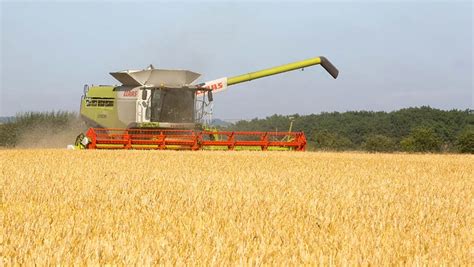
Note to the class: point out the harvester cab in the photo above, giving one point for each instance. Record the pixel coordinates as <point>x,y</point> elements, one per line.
<point>162,109</point>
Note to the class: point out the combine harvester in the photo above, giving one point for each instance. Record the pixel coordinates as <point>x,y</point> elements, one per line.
<point>163,109</point>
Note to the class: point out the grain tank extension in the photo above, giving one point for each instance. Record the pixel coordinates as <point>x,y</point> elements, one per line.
<point>167,109</point>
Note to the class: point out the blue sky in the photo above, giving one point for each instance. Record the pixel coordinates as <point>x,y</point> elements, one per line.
<point>390,55</point>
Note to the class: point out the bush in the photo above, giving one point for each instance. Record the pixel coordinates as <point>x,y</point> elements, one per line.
<point>8,134</point>
<point>421,139</point>
<point>465,141</point>
<point>332,141</point>
<point>379,143</point>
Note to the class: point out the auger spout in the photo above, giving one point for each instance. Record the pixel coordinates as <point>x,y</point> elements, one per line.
<point>222,83</point>
<point>325,63</point>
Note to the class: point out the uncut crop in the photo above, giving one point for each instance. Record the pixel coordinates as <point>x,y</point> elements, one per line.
<point>151,207</point>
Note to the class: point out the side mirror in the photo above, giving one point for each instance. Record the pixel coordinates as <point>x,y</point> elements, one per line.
<point>209,96</point>
<point>144,94</point>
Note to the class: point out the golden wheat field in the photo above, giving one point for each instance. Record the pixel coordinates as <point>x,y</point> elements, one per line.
<point>246,208</point>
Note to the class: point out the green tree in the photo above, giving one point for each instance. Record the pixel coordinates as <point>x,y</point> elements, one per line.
<point>379,143</point>
<point>465,141</point>
<point>332,141</point>
<point>421,139</point>
<point>8,134</point>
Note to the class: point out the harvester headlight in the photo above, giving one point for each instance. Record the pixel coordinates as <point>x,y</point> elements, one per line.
<point>85,141</point>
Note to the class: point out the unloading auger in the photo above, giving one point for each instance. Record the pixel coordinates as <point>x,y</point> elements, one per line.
<point>165,109</point>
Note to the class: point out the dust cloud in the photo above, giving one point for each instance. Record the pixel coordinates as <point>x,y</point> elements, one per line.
<point>48,136</point>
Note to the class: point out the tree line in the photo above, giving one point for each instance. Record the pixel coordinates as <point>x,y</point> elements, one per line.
<point>418,129</point>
